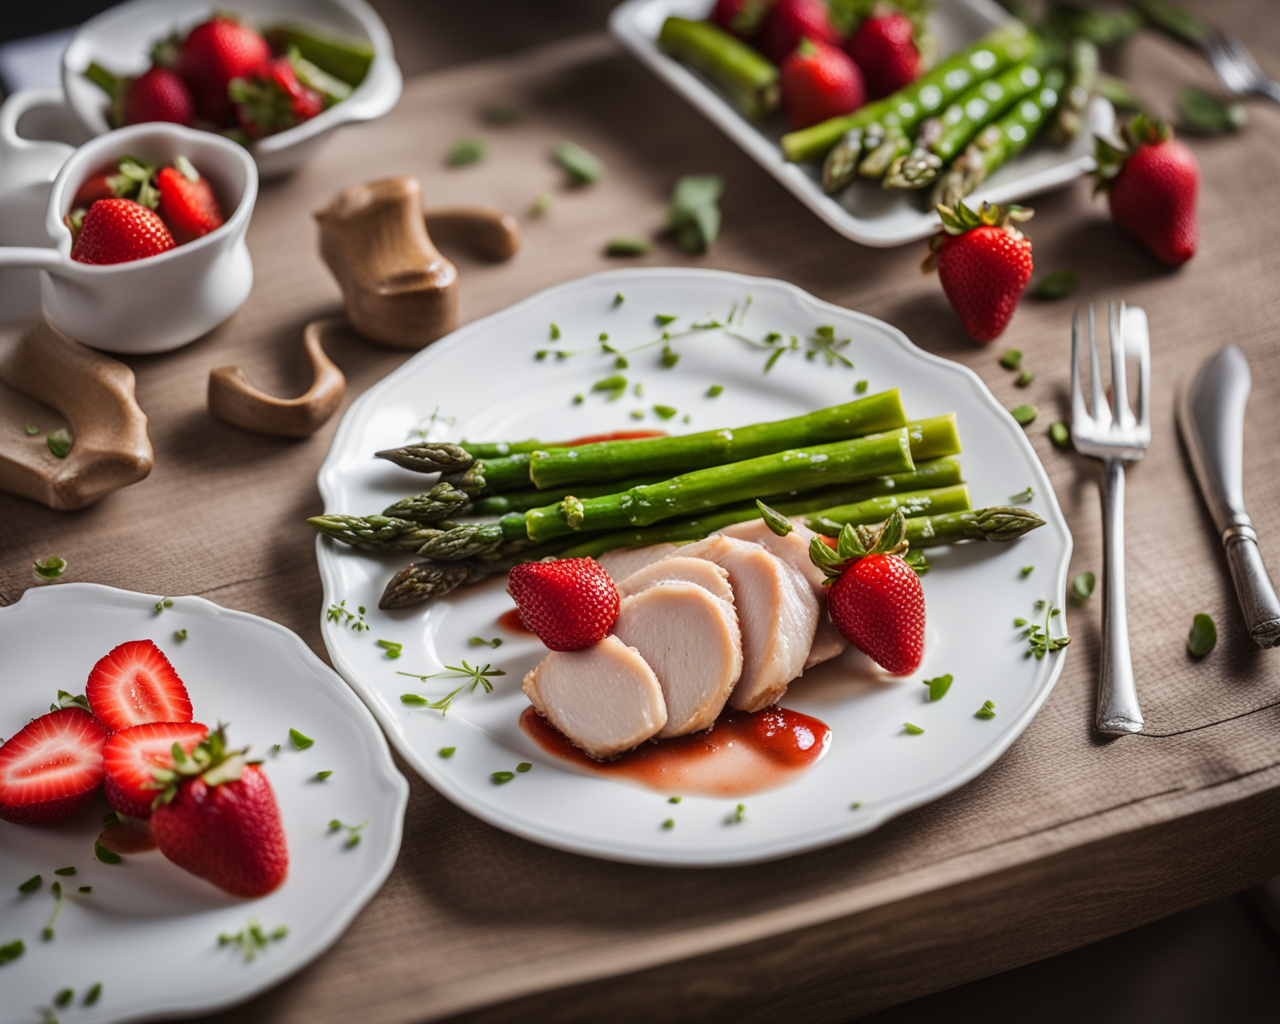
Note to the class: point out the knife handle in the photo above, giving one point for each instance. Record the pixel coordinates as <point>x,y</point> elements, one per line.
<point>1254,589</point>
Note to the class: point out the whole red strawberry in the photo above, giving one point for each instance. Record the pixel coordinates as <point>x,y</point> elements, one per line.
<point>744,18</point>
<point>984,263</point>
<point>158,95</point>
<point>884,48</point>
<point>1154,184</point>
<point>187,203</point>
<point>569,604</point>
<point>212,54</point>
<point>789,21</point>
<point>50,770</point>
<point>819,81</point>
<point>120,230</point>
<point>274,100</point>
<point>218,819</point>
<point>874,597</point>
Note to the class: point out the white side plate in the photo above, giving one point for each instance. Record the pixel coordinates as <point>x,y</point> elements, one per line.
<point>486,380</point>
<point>865,212</point>
<point>149,931</point>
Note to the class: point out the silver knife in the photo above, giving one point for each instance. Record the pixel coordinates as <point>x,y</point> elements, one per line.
<point>1211,417</point>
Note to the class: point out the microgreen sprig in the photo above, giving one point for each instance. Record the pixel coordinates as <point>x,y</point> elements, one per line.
<point>353,831</point>
<point>252,939</point>
<point>355,620</point>
<point>474,676</point>
<point>1039,642</point>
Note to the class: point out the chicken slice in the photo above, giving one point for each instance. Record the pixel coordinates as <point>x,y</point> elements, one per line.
<point>777,614</point>
<point>794,550</point>
<point>622,562</point>
<point>691,641</point>
<point>676,569</point>
<point>605,697</point>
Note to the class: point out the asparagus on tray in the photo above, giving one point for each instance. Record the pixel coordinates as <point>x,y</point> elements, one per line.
<point>749,78</point>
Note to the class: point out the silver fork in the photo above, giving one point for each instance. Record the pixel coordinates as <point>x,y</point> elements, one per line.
<point>1236,67</point>
<point>1112,434</point>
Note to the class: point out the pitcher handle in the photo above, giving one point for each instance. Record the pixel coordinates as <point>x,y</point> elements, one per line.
<point>47,154</point>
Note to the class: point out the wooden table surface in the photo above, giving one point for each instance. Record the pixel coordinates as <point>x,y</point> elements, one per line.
<point>1065,840</point>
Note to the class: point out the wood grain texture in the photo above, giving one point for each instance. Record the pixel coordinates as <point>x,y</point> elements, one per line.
<point>1066,839</point>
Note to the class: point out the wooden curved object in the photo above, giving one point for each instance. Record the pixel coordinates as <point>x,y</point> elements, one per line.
<point>482,230</point>
<point>95,394</point>
<point>232,399</point>
<point>397,288</point>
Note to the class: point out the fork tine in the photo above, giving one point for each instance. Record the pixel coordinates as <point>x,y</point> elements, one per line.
<point>1101,411</point>
<point>1123,415</point>
<point>1080,418</point>
<point>1144,380</point>
<point>1238,50</point>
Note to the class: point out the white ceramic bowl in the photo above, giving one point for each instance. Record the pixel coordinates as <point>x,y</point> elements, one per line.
<point>121,38</point>
<point>161,302</point>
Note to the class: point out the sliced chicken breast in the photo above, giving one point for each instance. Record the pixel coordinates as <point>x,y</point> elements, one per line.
<point>623,562</point>
<point>691,640</point>
<point>777,614</point>
<point>605,697</point>
<point>675,569</point>
<point>794,550</point>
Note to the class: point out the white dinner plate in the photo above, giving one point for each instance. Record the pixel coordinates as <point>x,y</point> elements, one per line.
<point>865,212</point>
<point>484,382</point>
<point>149,930</point>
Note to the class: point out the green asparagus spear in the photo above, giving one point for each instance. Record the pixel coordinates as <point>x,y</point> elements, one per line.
<point>441,502</point>
<point>496,450</point>
<point>1082,67</point>
<point>492,476</point>
<point>376,533</point>
<point>750,80</point>
<point>616,459</point>
<point>874,510</point>
<point>1007,45</point>
<point>998,143</point>
<point>942,138</point>
<point>429,457</point>
<point>343,57</point>
<point>522,501</point>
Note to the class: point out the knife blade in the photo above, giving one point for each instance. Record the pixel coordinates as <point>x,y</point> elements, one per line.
<point>1211,419</point>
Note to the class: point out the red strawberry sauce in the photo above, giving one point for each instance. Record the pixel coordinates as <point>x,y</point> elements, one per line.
<point>743,752</point>
<point>510,621</point>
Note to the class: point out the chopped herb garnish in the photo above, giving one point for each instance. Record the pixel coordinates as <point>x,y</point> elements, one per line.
<point>10,951</point>
<point>300,741</point>
<point>1024,379</point>
<point>638,390</point>
<point>1024,414</point>
<point>540,354</point>
<point>92,995</point>
<point>715,390</point>
<point>1019,623</point>
<point>60,442</point>
<point>540,205</point>
<point>1012,359</point>
<point>614,386</point>
<point>85,890</point>
<point>662,319</point>
<point>251,940</point>
<point>669,824</point>
<point>665,412</point>
<point>32,431</point>
<point>578,399</point>
<point>478,641</point>
<point>47,933</point>
<point>523,767</point>
<point>163,603</point>
<point>555,333</point>
<point>775,520</point>
<point>1082,586</point>
<point>583,168</point>
<point>447,752</point>
<point>1200,112</point>
<point>824,341</point>
<point>1203,636</point>
<point>355,620</point>
<point>669,357</point>
<point>912,730</point>
<point>502,113</point>
<point>777,354</point>
<point>393,649</point>
<point>64,872</point>
<point>1039,642</point>
<point>694,215</point>
<point>674,799</point>
<point>627,245</point>
<point>466,151</point>
<point>500,777</point>
<point>1060,435</point>
<point>353,831</point>
<point>620,363</point>
<point>64,997</point>
<point>105,855</point>
<point>938,687</point>
<point>31,885</point>
<point>988,710</point>
<point>637,414</point>
<point>855,805</point>
<point>321,776</point>
<point>1026,571</point>
<point>1056,285</point>
<point>474,676</point>
<point>861,387</point>
<point>739,815</point>
<point>604,336</point>
<point>50,569</point>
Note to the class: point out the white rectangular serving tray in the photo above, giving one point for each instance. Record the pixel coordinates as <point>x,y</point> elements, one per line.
<point>865,212</point>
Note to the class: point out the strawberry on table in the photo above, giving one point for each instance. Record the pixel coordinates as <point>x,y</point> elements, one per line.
<point>789,21</point>
<point>1154,182</point>
<point>187,203</point>
<point>211,55</point>
<point>120,230</point>
<point>51,769</point>
<point>218,819</point>
<point>134,683</point>
<point>158,95</point>
<point>885,50</point>
<point>131,756</point>
<point>274,100</point>
<point>569,604</point>
<point>984,263</point>
<point>819,81</point>
<point>874,597</point>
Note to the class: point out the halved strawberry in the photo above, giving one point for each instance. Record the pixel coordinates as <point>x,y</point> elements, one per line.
<point>135,684</point>
<point>187,203</point>
<point>50,770</point>
<point>132,755</point>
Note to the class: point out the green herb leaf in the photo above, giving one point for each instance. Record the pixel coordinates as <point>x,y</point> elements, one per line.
<point>447,752</point>
<point>1024,379</point>
<point>64,872</point>
<point>475,676</point>
<point>738,816</point>
<point>613,386</point>
<point>1056,285</point>
<point>50,569</point>
<point>555,333</point>
<point>523,767</point>
<point>11,951</point>
<point>60,442</point>
<point>300,741</point>
<point>393,649</point>
<point>412,698</point>
<point>855,805</point>
<point>1039,642</point>
<point>988,710</point>
<point>540,205</point>
<point>1203,636</point>
<point>321,776</point>
<point>861,387</point>
<point>1027,495</point>
<point>777,354</point>
<point>32,431</point>
<point>1200,112</point>
<point>252,939</point>
<point>1012,359</point>
<point>1019,623</point>
<point>604,336</point>
<point>627,245</point>
<point>1060,435</point>
<point>64,997</point>
<point>163,603</point>
<point>92,995</point>
<point>31,884</point>
<point>500,777</point>
<point>694,215</point>
<point>665,412</point>
<point>938,687</point>
<point>674,799</point>
<point>466,151</point>
<point>477,641</point>
<point>1024,414</point>
<point>1026,571</point>
<point>85,890</point>
<point>670,823</point>
<point>715,391</point>
<point>1082,586</point>
<point>669,357</point>
<point>582,167</point>
<point>105,855</point>
<point>662,319</point>
<point>776,521</point>
<point>179,634</point>
<point>912,730</point>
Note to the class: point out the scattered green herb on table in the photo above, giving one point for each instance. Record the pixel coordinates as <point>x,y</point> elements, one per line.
<point>85,890</point>
<point>31,885</point>
<point>583,167</point>
<point>500,777</point>
<point>715,390</point>
<point>64,997</point>
<point>447,752</point>
<point>555,333</point>
<point>105,855</point>
<point>988,710</point>
<point>540,205</point>
<point>694,215</point>
<point>321,776</point>
<point>64,872</point>
<point>1026,571</point>
<point>32,431</point>
<point>477,641</point>
<point>1203,636</point>
<point>50,569</point>
<point>912,730</point>
<point>1039,642</point>
<point>252,939</point>
<point>665,412</point>
<point>855,805</point>
<point>523,767</point>
<point>1082,586</point>
<point>60,442</point>
<point>1012,359</point>
<point>93,994</point>
<point>670,823</point>
<point>474,676</point>
<point>1207,115</point>
<point>938,687</point>
<point>1024,414</point>
<point>861,387</point>
<point>1056,285</point>
<point>1024,379</point>
<point>466,151</point>
<point>1060,435</point>
<point>10,951</point>
<point>300,741</point>
<point>627,245</point>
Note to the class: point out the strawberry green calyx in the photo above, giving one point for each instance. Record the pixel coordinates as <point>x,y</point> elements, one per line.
<point>857,542</point>
<point>960,219</point>
<point>132,180</point>
<point>210,759</point>
<point>1141,131</point>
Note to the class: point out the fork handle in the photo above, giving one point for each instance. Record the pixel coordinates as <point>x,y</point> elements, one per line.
<point>1118,711</point>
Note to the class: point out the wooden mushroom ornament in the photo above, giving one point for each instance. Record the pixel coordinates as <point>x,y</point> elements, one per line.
<point>398,289</point>
<point>232,399</point>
